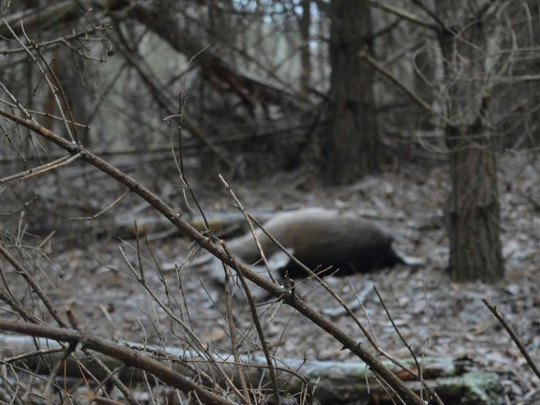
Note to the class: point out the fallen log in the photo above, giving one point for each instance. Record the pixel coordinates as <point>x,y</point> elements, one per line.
<point>455,381</point>
<point>229,223</point>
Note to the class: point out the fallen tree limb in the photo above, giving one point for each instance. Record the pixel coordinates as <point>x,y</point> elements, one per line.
<point>329,381</point>
<point>217,222</point>
<point>128,357</point>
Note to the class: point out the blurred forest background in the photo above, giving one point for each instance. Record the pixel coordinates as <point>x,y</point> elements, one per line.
<point>423,115</point>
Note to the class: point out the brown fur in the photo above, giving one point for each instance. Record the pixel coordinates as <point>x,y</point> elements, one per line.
<point>321,238</point>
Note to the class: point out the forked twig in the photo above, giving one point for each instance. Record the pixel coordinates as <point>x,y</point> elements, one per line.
<point>36,171</point>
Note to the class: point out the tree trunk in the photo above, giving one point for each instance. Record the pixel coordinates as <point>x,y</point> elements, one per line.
<point>352,145</point>
<point>304,23</point>
<point>474,220</point>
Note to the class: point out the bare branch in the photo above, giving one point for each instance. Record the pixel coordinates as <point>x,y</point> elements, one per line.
<point>402,390</point>
<point>423,104</point>
<point>33,284</point>
<point>403,14</point>
<point>128,356</point>
<point>513,335</point>
<point>27,174</point>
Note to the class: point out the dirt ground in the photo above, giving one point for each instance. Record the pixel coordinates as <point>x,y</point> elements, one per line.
<point>437,317</point>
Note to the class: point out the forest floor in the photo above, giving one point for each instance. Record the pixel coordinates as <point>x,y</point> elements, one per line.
<point>437,317</point>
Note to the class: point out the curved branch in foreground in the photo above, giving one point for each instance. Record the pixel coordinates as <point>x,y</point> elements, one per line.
<point>129,357</point>
<point>289,298</point>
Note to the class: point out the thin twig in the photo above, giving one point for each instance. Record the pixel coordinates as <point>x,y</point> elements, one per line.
<point>432,14</point>
<point>48,389</point>
<point>249,220</point>
<point>403,14</point>
<point>513,335</point>
<point>54,85</point>
<point>409,348</point>
<point>386,73</point>
<point>262,339</point>
<point>251,302</point>
<point>60,40</point>
<point>36,171</point>
<point>101,365</point>
<point>34,285</point>
<point>232,335</point>
<point>108,207</point>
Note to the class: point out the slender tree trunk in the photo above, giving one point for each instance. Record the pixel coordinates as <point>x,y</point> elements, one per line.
<point>475,247</point>
<point>352,145</point>
<point>304,23</point>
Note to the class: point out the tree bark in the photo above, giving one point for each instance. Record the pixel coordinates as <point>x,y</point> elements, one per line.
<point>304,23</point>
<point>474,212</point>
<point>352,145</point>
